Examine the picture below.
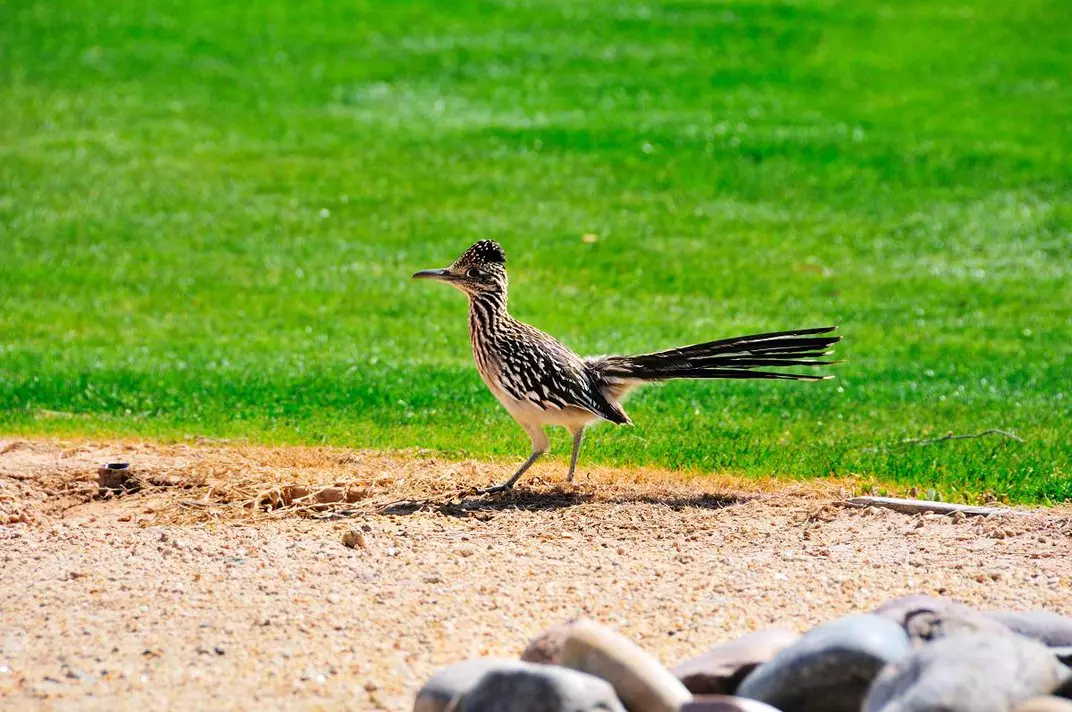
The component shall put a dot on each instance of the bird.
(542, 383)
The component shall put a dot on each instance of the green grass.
(209, 212)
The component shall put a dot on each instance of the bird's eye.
(474, 273)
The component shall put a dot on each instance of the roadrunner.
(542, 383)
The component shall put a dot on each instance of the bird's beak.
(440, 275)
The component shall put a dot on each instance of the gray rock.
(898, 608)
(547, 646)
(641, 682)
(925, 626)
(1044, 626)
(1044, 704)
(974, 672)
(830, 668)
(539, 688)
(719, 671)
(454, 680)
(725, 703)
(925, 618)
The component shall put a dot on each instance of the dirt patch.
(227, 585)
(198, 483)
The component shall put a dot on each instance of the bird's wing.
(551, 376)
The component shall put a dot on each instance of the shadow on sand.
(469, 502)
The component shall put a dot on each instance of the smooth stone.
(719, 670)
(926, 618)
(1044, 704)
(725, 703)
(538, 688)
(547, 646)
(974, 672)
(641, 682)
(830, 668)
(898, 608)
(457, 679)
(1044, 626)
(925, 626)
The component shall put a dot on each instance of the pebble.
(1044, 626)
(973, 672)
(719, 670)
(725, 703)
(355, 539)
(538, 688)
(456, 680)
(1044, 704)
(831, 665)
(641, 682)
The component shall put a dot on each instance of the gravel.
(113, 605)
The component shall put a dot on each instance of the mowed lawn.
(209, 213)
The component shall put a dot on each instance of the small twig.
(198, 503)
(951, 436)
(847, 504)
(920, 442)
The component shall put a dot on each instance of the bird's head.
(480, 269)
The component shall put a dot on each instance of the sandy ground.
(189, 595)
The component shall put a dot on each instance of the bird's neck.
(487, 309)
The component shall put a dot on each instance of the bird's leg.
(539, 447)
(510, 482)
(577, 437)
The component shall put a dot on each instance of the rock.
(538, 688)
(830, 668)
(925, 618)
(725, 703)
(924, 626)
(547, 646)
(1047, 628)
(456, 680)
(116, 478)
(355, 539)
(973, 672)
(719, 670)
(1044, 704)
(898, 608)
(640, 681)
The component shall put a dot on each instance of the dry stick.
(918, 506)
(18, 476)
(919, 442)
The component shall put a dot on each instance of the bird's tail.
(727, 358)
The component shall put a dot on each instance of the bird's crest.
(483, 252)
